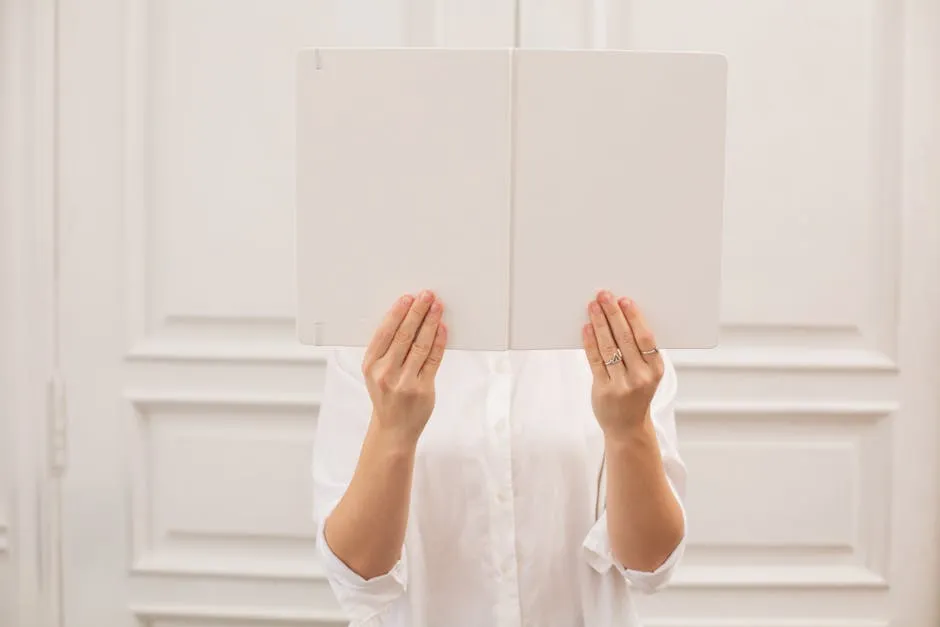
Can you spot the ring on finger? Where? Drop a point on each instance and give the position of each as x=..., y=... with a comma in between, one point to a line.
x=616, y=359
x=651, y=351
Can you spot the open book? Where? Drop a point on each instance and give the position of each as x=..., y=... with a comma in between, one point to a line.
x=514, y=183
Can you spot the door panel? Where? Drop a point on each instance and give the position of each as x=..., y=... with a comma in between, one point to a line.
x=192, y=406
x=786, y=427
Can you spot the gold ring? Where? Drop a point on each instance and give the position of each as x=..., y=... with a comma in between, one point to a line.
x=616, y=359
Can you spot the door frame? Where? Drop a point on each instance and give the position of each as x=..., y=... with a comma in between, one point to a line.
x=917, y=438
x=28, y=197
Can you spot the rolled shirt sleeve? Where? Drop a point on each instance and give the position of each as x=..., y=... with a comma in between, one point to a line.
x=597, y=549
x=342, y=422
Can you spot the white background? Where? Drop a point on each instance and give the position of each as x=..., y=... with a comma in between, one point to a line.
x=146, y=264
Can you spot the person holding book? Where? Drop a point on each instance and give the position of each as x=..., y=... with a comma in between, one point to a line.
x=499, y=489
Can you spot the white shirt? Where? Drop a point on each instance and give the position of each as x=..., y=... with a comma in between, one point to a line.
x=506, y=525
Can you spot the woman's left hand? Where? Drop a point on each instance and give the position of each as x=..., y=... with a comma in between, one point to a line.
x=625, y=361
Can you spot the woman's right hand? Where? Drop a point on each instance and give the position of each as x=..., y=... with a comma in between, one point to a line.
x=401, y=362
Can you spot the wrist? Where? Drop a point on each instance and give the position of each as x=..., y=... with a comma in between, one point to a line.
x=393, y=439
x=630, y=433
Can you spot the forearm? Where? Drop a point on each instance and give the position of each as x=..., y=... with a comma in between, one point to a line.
x=644, y=519
x=366, y=529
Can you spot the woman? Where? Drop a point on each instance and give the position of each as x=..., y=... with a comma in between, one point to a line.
x=535, y=488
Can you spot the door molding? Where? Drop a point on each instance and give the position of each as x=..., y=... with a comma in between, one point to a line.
x=29, y=205
x=917, y=435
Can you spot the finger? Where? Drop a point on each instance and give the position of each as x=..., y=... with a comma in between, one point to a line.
x=605, y=341
x=433, y=362
x=421, y=347
x=593, y=352
x=623, y=335
x=385, y=333
x=642, y=335
x=407, y=330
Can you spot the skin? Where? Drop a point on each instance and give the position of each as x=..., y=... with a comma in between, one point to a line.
x=367, y=527
x=644, y=519
x=366, y=530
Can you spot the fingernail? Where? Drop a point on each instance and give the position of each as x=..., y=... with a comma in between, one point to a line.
x=406, y=299
x=626, y=302
x=604, y=297
x=436, y=307
x=594, y=307
x=427, y=296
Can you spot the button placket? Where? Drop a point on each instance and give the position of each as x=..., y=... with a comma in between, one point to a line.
x=502, y=508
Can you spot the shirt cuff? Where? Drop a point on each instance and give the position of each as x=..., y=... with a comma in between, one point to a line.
x=365, y=601
x=601, y=558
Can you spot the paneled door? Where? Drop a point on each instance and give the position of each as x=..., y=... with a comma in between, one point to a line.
x=191, y=407
x=810, y=434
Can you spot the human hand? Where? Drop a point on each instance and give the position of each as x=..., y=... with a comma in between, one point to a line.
x=401, y=362
x=626, y=364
